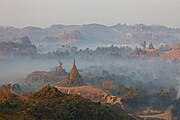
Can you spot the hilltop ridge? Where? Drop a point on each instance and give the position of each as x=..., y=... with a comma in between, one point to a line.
x=94, y=34
x=50, y=103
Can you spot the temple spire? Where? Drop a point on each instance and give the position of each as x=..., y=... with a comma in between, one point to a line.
x=151, y=46
x=74, y=63
x=59, y=69
x=74, y=71
x=74, y=78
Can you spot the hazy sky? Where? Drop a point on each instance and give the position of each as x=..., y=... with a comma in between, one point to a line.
x=44, y=13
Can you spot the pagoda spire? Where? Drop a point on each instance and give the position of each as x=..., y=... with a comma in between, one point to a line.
x=151, y=46
x=74, y=71
x=74, y=63
x=74, y=78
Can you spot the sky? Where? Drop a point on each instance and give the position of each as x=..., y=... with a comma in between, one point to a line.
x=43, y=13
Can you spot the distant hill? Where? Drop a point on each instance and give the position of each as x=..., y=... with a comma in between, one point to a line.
x=94, y=34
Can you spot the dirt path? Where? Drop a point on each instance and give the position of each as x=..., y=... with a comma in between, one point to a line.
x=166, y=115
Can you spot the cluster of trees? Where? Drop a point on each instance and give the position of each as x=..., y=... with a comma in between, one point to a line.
x=114, y=82
x=137, y=95
x=160, y=100
x=137, y=99
x=73, y=52
x=176, y=108
x=98, y=78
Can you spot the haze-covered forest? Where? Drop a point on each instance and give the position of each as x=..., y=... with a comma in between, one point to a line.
x=117, y=81
x=89, y=60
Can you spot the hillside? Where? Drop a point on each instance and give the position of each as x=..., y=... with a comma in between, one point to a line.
x=94, y=34
x=16, y=49
x=176, y=109
x=24, y=48
x=92, y=93
x=38, y=79
x=173, y=54
x=49, y=103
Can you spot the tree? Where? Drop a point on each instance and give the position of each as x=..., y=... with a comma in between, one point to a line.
x=108, y=84
x=131, y=92
x=143, y=45
x=122, y=89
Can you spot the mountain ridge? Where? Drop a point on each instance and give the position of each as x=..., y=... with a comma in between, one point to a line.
x=94, y=34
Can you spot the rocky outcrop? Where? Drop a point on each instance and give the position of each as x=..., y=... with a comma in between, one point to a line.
x=18, y=49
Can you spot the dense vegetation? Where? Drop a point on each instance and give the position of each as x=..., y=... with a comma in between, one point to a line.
x=140, y=102
x=137, y=95
x=68, y=52
x=140, y=81
x=36, y=80
x=176, y=108
x=49, y=103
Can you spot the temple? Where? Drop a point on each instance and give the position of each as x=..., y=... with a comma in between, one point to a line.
x=150, y=48
x=74, y=74
x=59, y=70
x=74, y=78
x=59, y=67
